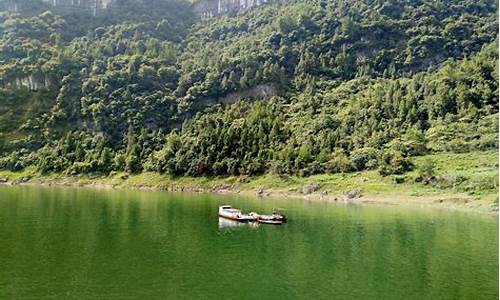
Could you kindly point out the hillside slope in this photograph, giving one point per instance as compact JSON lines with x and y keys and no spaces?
{"x":347,"y":87}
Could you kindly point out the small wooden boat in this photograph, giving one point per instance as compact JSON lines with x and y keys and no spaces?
{"x":272,"y":222}
{"x":226,"y":211}
{"x":274,"y":218}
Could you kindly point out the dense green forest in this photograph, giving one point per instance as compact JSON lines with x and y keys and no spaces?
{"x":307,"y":87}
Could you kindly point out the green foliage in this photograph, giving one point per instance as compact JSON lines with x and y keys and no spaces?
{"x":364,"y":158}
{"x":339,"y":163}
{"x":323,"y":87}
{"x":394,"y":162}
{"x":12,"y":162}
{"x":427,"y":170}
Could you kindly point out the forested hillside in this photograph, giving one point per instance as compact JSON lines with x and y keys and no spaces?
{"x":301,"y":88}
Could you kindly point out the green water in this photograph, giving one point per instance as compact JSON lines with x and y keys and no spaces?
{"x":102,"y":244}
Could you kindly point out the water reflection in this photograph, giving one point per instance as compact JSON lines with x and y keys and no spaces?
{"x":152,"y":245}
{"x":228,"y":224}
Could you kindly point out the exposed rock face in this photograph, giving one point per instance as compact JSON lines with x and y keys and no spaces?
{"x":75,"y":6}
{"x":92,"y":6}
{"x":11,"y":6}
{"x":212,"y":8}
{"x":356,"y":193}
{"x":261,"y":91}
{"x":309,"y":189}
{"x":222,"y":188}
{"x":30,"y":82}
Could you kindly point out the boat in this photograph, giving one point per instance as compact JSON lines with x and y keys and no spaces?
{"x":275,"y":218}
{"x":268,"y":221}
{"x":226,"y":211}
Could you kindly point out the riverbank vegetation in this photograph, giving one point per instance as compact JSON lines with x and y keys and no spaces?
{"x":460,"y":181}
{"x":290,"y":93}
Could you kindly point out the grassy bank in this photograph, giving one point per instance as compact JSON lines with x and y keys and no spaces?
{"x":461,"y":181}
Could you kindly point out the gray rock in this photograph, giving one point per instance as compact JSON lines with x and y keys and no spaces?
{"x":4,"y":179}
{"x":356,"y":193}
{"x":309,"y":189}
{"x":220,"y":188}
{"x":25,"y":179}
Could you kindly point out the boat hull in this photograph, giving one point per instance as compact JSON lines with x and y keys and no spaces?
{"x":272,"y":218}
{"x":270,"y":222}
{"x":234,"y":214}
{"x":236,"y":218}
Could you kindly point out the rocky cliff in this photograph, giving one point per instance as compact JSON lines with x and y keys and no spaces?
{"x":69,"y":6}
{"x":207,"y":9}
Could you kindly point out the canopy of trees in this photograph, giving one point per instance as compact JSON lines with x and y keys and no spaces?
{"x":145,"y":86}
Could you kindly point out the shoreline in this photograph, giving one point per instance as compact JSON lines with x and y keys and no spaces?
{"x":253,"y":187}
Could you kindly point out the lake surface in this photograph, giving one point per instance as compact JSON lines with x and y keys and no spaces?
{"x":65,"y":243}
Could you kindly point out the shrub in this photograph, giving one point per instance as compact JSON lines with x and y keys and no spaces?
{"x":80,"y":168}
{"x":483,"y":184}
{"x":119,"y":161}
{"x":339,"y":164}
{"x":364,"y":158}
{"x":427,"y":170}
{"x":393,"y":162}
{"x":487,"y":141}
{"x":458,"y":146}
{"x":414,"y":142}
{"x":399,"y":179}
{"x":12,"y":162}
